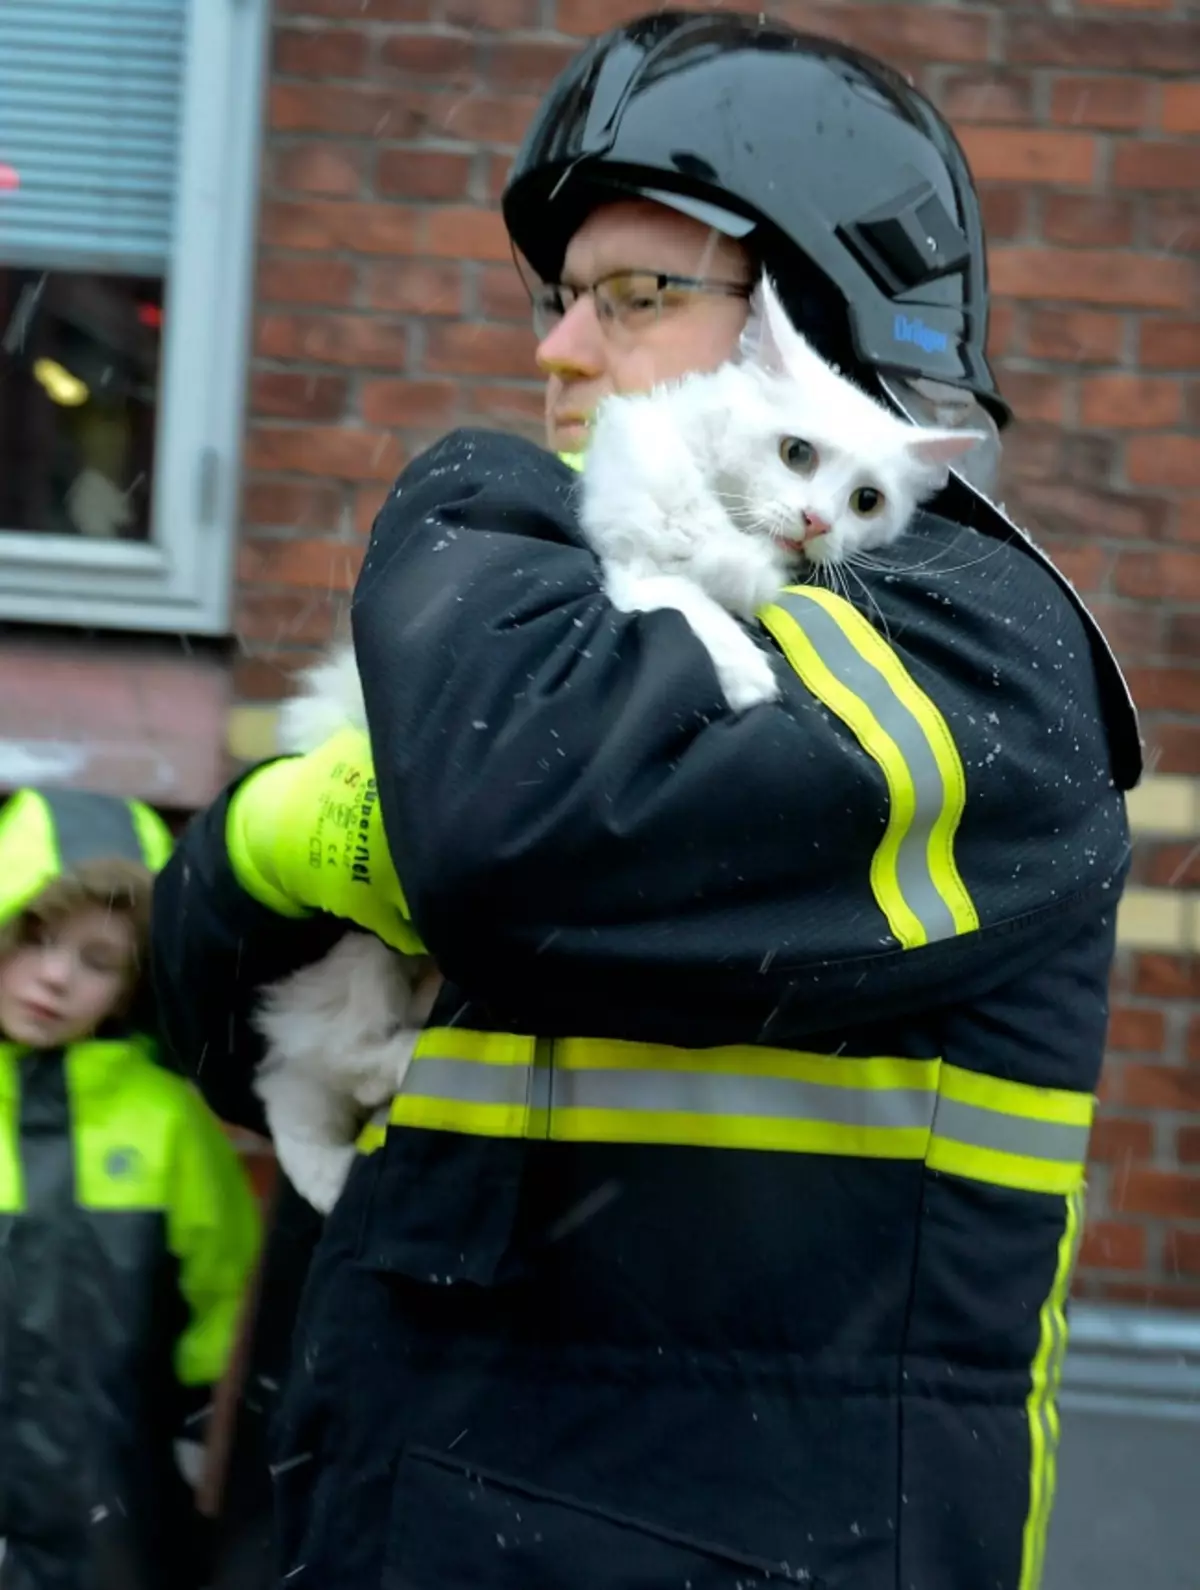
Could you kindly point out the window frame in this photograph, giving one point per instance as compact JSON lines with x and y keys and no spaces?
{"x":181,"y":579}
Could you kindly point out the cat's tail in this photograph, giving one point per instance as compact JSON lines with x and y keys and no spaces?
{"x":330,"y":697}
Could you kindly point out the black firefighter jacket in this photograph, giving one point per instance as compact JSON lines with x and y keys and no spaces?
{"x":724,"y":1223}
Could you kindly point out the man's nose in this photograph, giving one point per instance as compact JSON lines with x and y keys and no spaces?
{"x":575,"y":346}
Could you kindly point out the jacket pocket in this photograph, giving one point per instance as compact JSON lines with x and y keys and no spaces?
{"x":460,"y":1528}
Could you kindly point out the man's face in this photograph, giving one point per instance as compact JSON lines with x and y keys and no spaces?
{"x":66,"y":978}
{"x":585,"y":360}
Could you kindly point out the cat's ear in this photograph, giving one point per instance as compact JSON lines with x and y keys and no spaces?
{"x":770,"y":341}
{"x":939,"y":449}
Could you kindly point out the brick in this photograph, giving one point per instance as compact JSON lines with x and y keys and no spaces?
{"x":1133,"y":629}
{"x":1174,"y":224}
{"x":320,"y":52}
{"x":324,"y":451}
{"x":1116,"y":103}
{"x":1162,"y":1088}
{"x":1130,"y":402}
{"x":465,"y":234}
{"x":360,"y":11}
{"x":898,"y":33}
{"x":416,"y":286}
{"x":1116,"y":1140}
{"x":367,"y":503}
{"x":1181,"y":108}
{"x":293,"y":280}
{"x":362,"y":111}
{"x":1187,"y":519}
{"x":449,"y":59}
{"x":302,"y":618}
{"x":1176,"y":747}
{"x":1141,"y":165}
{"x":1159,"y":574}
{"x":1167,"y":976}
{"x":1182,"y":1253}
{"x":1115,"y":46}
{"x":1065,"y":509}
{"x":502,"y":294}
{"x":500,"y":15}
{"x":408,"y":403}
{"x":362,"y":341}
{"x":1186,"y":1298}
{"x":269,"y":678}
{"x":1187,"y":1145}
{"x":1004,"y":212}
{"x":1087,"y":220}
{"x":527,"y":67}
{"x":336,"y":169}
{"x":1130,"y":1028}
{"x":1129,"y":5}
{"x":512,"y":407}
{"x":1086,"y":567}
{"x":1035,"y":396}
{"x":1170,"y":344}
{"x":285,"y":394}
{"x":1002,"y":330}
{"x":311,"y":565}
{"x":1074,"y":336}
{"x":1087,"y":459}
{"x":1164,"y":460}
{"x":1169,"y":1194}
{"x":1090,"y":276}
{"x":294,"y":505}
{"x":1020,"y":154}
{"x":1166,"y":689}
{"x":498,"y":167}
{"x":1172,"y":866}
{"x":986,"y":96}
{"x":471,"y":348}
{"x":327,"y":225}
{"x":422,"y":174}
{"x":1032,"y":453}
{"x":1113,"y":1245}
{"x":486,"y":118}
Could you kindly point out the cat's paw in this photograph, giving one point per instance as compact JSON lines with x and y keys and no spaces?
{"x":317,"y":1171}
{"x":747,"y":679}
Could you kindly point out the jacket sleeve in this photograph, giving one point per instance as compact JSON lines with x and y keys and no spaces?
{"x":587,"y":835}
{"x":214,"y":948}
{"x":214,"y":1231}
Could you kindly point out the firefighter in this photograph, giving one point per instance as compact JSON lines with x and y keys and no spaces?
{"x":722,"y":1229}
{"x":128,"y":1226}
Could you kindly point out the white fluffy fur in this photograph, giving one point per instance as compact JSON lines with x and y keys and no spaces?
{"x":689,"y":503}
{"x":339,"y":1033}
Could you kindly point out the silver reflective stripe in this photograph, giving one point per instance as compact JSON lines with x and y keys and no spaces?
{"x":843,"y":659}
{"x":1010,"y":1134}
{"x":684,"y":1092}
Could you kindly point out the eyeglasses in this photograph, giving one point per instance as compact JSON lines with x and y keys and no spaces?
{"x":626,"y":300}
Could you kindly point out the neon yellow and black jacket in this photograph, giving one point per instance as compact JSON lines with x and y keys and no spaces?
{"x":128,"y":1231}
{"x":724,"y":1222}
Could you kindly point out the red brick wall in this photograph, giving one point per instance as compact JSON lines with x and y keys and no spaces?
{"x":388,"y":311}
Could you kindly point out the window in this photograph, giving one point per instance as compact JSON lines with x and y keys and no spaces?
{"x":129,"y":148}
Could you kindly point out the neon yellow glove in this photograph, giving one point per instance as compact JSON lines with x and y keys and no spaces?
{"x":305,"y":834}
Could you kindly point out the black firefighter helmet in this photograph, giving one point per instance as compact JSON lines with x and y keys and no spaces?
{"x":849,"y":186}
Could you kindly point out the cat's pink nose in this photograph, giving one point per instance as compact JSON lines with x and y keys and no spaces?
{"x":814,"y":525}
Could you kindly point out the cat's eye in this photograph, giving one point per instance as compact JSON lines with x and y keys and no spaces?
{"x":867,"y":502}
{"x":799,"y":456}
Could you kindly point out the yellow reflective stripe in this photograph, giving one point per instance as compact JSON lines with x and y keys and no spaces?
{"x":747,"y":1060}
{"x":1018,"y":1098}
{"x":848,"y":666}
{"x":488,"y":1048}
{"x":988,"y":1129}
{"x":1042,"y":1413}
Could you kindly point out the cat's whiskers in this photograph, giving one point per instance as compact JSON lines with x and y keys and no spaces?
{"x":872,"y":600}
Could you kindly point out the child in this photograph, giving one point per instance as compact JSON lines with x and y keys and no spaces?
{"x":127,"y":1226}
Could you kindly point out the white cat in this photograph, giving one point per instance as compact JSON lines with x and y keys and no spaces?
{"x":709,"y":495}
{"x":340,"y":1033}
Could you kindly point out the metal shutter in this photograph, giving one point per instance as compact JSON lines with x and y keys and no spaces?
{"x":90,"y":95}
